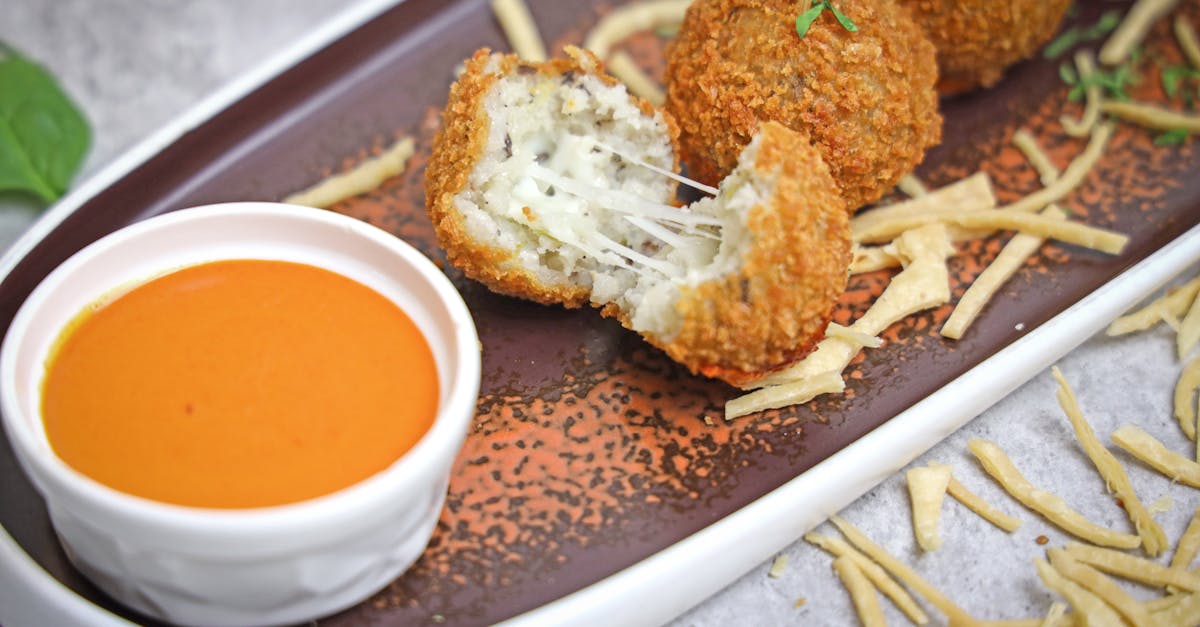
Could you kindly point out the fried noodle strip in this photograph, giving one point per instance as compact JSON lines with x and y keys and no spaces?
{"x":1154,"y":454}
{"x":631,"y":18}
{"x":1132,"y":567}
{"x":862,"y":593}
{"x":1091,"y":237}
{"x":1133,"y":29}
{"x":363,"y":178}
{"x":1052,"y":507}
{"x":1174,"y":303}
{"x":1085,"y":64}
{"x":1094,"y":610}
{"x":1028,"y":145}
{"x":1185,"y":394}
{"x":878,"y":576}
{"x":1188,"y":42}
{"x":518,"y":25}
{"x":1151,"y":116}
{"x":985,"y":510}
{"x":1154,"y":539}
{"x":1189,"y":544}
{"x":1102,"y":586}
{"x":622,"y":66}
{"x":956,"y":614}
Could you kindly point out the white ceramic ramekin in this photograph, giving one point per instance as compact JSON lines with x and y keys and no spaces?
{"x":274,"y":565}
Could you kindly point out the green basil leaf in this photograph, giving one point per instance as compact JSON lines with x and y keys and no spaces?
{"x":806,"y":19}
{"x":43,"y":136}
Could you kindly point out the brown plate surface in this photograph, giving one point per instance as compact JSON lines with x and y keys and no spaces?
{"x":590,"y":450}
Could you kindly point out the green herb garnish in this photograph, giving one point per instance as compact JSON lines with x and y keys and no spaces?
{"x":1173,"y":76}
{"x":1076,"y":34}
{"x":1113,"y":82}
{"x":806,"y":19}
{"x":1173,"y":137}
{"x":43,"y":136}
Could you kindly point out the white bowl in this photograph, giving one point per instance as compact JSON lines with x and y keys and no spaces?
{"x":273,"y":565}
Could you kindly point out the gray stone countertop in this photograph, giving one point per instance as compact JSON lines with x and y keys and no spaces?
{"x":135,"y":64}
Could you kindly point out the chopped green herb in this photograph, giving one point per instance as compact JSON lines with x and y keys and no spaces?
{"x":1114,"y":83}
{"x":1171,"y":138}
{"x":43,"y":136}
{"x":806,"y":19}
{"x":1076,"y":35}
{"x":1173,"y":76}
{"x":1067,"y":73}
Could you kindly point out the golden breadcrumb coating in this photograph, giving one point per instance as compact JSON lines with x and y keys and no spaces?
{"x":457,"y":148}
{"x":976,"y":40}
{"x":866,"y":99}
{"x":774,"y":310}
{"x":790,"y":241}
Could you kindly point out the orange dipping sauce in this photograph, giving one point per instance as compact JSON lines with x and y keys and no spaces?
{"x":238,"y":384}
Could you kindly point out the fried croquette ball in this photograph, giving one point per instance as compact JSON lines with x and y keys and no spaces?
{"x":866,"y":99}
{"x":976,"y":40}
{"x":538,"y":187}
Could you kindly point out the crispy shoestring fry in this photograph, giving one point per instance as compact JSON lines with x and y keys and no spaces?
{"x":878,"y":576}
{"x":1189,"y":544}
{"x":999,"y":271}
{"x":1133,"y":29}
{"x":1102,"y":586}
{"x":912,"y":186}
{"x":1019,"y":248}
{"x":927,"y":489}
{"x":1028,"y":145}
{"x":793,"y":393}
{"x":1151,"y":116}
{"x":1154,"y":540}
{"x":1163,"y":603}
{"x":1174,"y":303}
{"x":862,"y":593}
{"x":846,"y":333}
{"x":631,"y":18}
{"x":1185,"y":397}
{"x":1091,"y":607}
{"x":985,"y":510}
{"x":622,"y":66}
{"x":1076,"y":233}
{"x":1058,"y":611}
{"x":1188,"y":333}
{"x":924,"y":283}
{"x":1049,"y":505}
{"x":778,"y":566}
{"x":363,"y":178}
{"x":1085,"y":63}
{"x":1185,"y":611}
{"x":872,"y":258}
{"x":1188,"y":42}
{"x":1154,"y":454}
{"x":1132,"y":567}
{"x":1171,"y":320}
{"x":1066,"y":620}
{"x":969,"y":194}
{"x":1076,"y":171}
{"x":956,"y":614}
{"x":521,"y":30}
